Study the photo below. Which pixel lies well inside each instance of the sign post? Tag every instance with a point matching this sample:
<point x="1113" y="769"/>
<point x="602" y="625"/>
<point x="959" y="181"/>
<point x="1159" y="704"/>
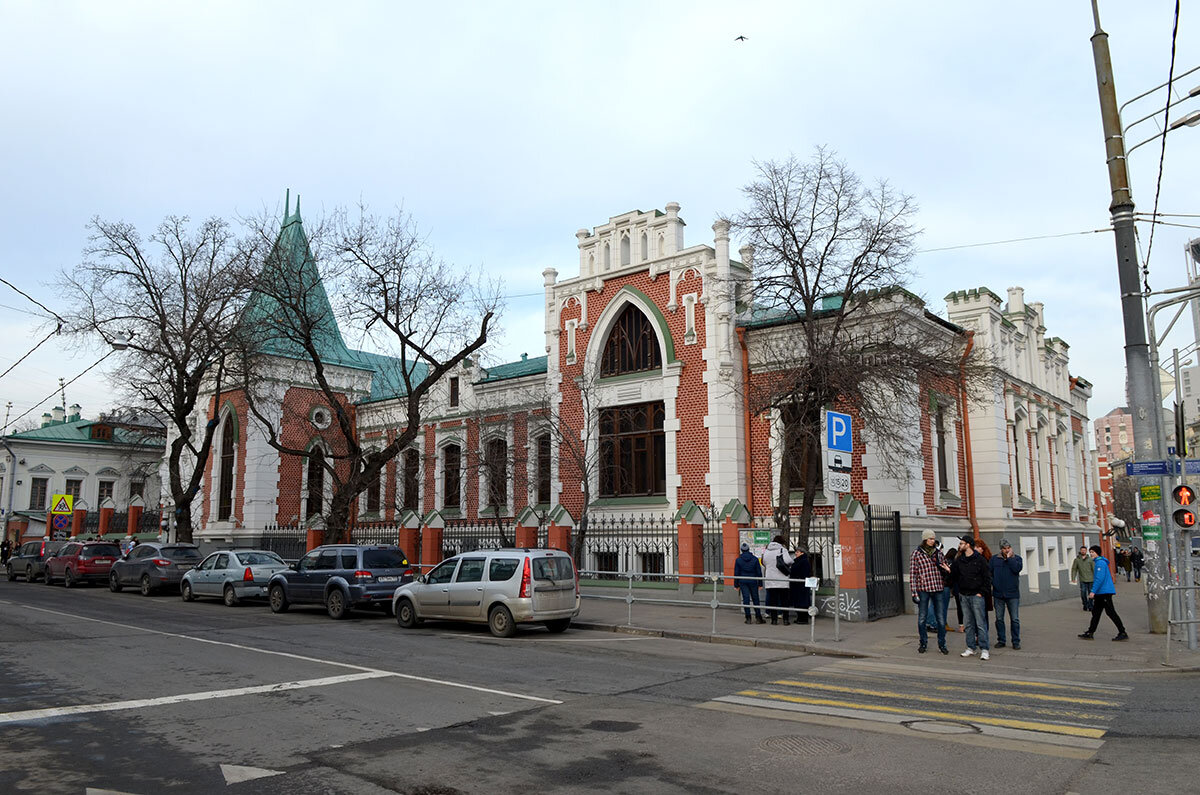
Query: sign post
<point x="837" y="433"/>
<point x="61" y="507"/>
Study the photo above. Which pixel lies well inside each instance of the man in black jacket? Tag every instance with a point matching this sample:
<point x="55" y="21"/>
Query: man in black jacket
<point x="973" y="577"/>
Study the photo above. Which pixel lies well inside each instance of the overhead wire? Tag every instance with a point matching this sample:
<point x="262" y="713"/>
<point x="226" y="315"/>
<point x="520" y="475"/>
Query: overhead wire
<point x="1162" y="152"/>
<point x="57" y="389"/>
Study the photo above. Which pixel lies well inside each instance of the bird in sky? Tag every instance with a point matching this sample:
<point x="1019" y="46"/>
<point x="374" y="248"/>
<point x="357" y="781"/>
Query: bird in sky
<point x="740" y="38"/>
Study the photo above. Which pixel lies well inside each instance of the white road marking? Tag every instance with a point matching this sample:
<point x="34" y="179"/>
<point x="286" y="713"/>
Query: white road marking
<point x="361" y="668"/>
<point x="24" y="716"/>
<point x="94" y="791"/>
<point x="469" y="636"/>
<point x="235" y="774"/>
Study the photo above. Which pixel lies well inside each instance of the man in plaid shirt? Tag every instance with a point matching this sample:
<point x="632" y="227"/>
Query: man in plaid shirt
<point x="925" y="577"/>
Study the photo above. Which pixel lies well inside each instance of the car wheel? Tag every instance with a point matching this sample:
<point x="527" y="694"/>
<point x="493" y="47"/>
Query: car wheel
<point x="29" y="574"/>
<point x="500" y="622"/>
<point x="185" y="591"/>
<point x="12" y="575"/>
<point x="277" y="599"/>
<point x="229" y="596"/>
<point x="558" y="625"/>
<point x="146" y="588"/>
<point x="114" y="582"/>
<point x="406" y="614"/>
<point x="69" y="579"/>
<point x="46" y="578"/>
<point x="335" y="604"/>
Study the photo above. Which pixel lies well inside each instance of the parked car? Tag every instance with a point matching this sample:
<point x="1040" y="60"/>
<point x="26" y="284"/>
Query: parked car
<point x="341" y="577"/>
<point x="152" y="566"/>
<point x="29" y="560"/>
<point x="81" y="561"/>
<point x="233" y="575"/>
<point x="502" y="587"/>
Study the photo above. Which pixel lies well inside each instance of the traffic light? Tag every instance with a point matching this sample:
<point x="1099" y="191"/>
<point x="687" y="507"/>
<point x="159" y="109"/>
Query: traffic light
<point x="1185" y="516"/>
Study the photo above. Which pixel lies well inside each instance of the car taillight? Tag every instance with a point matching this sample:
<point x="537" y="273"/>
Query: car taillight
<point x="162" y="562"/>
<point x="362" y="575"/>
<point x="248" y="576"/>
<point x="525" y="580"/>
<point x="409" y="573"/>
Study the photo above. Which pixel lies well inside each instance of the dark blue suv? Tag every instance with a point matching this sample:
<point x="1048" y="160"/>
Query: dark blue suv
<point x="341" y="577"/>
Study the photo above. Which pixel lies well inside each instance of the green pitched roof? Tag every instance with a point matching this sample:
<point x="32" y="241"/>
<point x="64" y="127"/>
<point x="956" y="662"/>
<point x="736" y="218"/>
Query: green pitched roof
<point x="80" y="432"/>
<point x="387" y="381"/>
<point x="526" y="366"/>
<point x="291" y="267"/>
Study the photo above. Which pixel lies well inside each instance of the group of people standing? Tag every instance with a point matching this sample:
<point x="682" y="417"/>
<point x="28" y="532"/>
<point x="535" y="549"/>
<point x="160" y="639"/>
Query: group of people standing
<point x="782" y="574"/>
<point x="978" y="582"/>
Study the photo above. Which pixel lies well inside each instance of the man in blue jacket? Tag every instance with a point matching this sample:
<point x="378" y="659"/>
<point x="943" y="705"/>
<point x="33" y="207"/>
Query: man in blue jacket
<point x="1006" y="593"/>
<point x="1103" y="590"/>
<point x="747" y="566"/>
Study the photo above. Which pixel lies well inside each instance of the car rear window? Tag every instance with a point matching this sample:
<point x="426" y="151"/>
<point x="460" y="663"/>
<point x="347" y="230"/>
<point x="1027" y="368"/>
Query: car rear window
<point x="100" y="551"/>
<point x="259" y="558"/>
<point x="555" y="568"/>
<point x="384" y="559"/>
<point x="502" y="569"/>
<point x="181" y="553"/>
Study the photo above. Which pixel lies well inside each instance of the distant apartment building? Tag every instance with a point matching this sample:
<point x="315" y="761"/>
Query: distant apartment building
<point x="1114" y="434"/>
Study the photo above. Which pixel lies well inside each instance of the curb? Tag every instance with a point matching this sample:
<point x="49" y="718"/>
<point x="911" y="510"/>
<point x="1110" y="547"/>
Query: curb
<point x="728" y="640"/>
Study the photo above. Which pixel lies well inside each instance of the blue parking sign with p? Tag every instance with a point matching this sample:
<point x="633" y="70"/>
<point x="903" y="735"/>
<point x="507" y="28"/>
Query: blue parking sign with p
<point x="838" y="434"/>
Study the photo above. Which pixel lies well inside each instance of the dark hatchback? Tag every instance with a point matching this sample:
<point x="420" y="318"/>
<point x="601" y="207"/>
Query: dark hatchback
<point x="29" y="559"/>
<point x="341" y="577"/>
<point x="153" y="566"/>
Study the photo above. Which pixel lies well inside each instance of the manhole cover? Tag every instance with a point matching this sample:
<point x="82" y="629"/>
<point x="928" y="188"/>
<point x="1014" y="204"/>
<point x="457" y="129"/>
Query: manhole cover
<point x="803" y="746"/>
<point x="942" y="726"/>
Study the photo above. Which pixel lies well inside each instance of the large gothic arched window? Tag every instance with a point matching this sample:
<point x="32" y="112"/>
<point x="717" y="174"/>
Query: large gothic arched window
<point x="632" y="345"/>
<point x="316" y="483"/>
<point x="225" y="479"/>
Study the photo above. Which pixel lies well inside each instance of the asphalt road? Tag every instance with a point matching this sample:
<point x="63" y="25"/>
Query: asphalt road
<point x="121" y="693"/>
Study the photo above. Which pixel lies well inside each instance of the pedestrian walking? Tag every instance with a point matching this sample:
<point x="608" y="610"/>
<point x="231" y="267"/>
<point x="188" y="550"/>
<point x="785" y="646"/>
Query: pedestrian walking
<point x="950" y="555"/>
<point x="801" y="595"/>
<point x="5" y="551"/>
<point x="1082" y="570"/>
<point x="1138" y="560"/>
<point x="777" y="568"/>
<point x="1103" y="591"/>
<point x="1126" y="564"/>
<point x="1006" y="592"/>
<point x="926" y="584"/>
<point x="747" y="573"/>
<point x="973" y="577"/>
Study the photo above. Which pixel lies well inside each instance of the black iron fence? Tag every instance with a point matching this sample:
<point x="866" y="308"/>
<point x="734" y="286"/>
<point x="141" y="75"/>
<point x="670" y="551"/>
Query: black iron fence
<point x="884" y="563"/>
<point x="467" y="535"/>
<point x="639" y="544"/>
<point x="289" y="542"/>
<point x="713" y="542"/>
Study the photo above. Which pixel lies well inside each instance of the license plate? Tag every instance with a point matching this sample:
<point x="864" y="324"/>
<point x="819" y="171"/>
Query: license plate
<point x="385" y="579"/>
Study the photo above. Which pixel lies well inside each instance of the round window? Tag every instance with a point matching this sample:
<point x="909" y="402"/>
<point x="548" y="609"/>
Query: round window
<point x="319" y="417"/>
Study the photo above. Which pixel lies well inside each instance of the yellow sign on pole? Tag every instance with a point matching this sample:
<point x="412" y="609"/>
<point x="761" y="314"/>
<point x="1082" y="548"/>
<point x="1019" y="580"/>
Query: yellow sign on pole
<point x="61" y="503"/>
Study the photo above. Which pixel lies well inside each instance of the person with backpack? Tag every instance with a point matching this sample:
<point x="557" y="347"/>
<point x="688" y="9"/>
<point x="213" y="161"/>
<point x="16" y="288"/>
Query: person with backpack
<point x="747" y="573"/>
<point x="1103" y="591"/>
<point x="777" y="565"/>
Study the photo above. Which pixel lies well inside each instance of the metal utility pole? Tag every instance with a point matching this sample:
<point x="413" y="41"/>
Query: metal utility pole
<point x="1147" y="417"/>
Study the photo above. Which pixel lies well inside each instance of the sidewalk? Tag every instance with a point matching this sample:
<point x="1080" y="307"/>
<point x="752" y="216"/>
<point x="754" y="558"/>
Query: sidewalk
<point x="1048" y="633"/>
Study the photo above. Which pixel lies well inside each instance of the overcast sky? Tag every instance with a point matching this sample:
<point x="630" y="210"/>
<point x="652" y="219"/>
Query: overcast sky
<point x="504" y="127"/>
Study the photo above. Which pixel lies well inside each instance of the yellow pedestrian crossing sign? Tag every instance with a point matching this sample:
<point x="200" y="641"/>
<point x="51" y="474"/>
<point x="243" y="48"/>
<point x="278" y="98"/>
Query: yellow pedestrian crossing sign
<point x="61" y="503"/>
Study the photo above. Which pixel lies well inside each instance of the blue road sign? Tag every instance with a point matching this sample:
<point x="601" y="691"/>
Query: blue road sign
<point x="838" y="434"/>
<point x="1171" y="467"/>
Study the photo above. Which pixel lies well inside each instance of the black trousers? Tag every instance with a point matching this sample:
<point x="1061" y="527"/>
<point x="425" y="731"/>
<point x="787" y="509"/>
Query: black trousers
<point x="1103" y="603"/>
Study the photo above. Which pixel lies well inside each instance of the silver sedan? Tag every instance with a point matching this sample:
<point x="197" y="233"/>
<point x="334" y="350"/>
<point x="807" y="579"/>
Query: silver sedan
<point x="232" y="575"/>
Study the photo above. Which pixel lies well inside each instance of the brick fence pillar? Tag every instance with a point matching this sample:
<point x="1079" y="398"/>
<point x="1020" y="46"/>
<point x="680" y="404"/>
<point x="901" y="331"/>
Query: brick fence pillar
<point x="526" y="536"/>
<point x="77" y="519"/>
<point x="854" y="562"/>
<point x="409" y="542"/>
<point x="559" y="537"/>
<point x="731" y="545"/>
<point x="431" y="546"/>
<point x="691" y="552"/>
<point x="135" y="515"/>
<point x="106" y="515"/>
<point x="313" y="538"/>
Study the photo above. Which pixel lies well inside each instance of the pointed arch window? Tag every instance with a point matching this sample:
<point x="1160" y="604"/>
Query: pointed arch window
<point x="495" y="454"/>
<point x="225" y="496"/>
<point x="451" y="476"/>
<point x="632" y="345"/>
<point x="625" y="249"/>
<point x="316" y="483"/>
<point x="412" y="465"/>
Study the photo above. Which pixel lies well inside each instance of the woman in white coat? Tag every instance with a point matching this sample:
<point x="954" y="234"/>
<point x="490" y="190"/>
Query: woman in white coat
<point x="777" y="564"/>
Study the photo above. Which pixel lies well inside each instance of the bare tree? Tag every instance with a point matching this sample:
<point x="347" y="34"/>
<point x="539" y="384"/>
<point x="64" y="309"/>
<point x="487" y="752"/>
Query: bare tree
<point x="174" y="297"/>
<point x="393" y="293"/>
<point x="831" y="322"/>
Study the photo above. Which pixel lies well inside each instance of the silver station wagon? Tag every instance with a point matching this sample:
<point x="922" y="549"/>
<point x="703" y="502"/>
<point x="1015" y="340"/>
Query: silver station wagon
<point x="502" y="587"/>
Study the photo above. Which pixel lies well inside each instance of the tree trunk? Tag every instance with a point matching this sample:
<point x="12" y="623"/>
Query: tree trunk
<point x="337" y="521"/>
<point x="183" y="520"/>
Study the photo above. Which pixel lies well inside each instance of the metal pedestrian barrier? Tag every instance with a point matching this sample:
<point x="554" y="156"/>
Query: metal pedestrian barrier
<point x="631" y="597"/>
<point x="1188" y="622"/>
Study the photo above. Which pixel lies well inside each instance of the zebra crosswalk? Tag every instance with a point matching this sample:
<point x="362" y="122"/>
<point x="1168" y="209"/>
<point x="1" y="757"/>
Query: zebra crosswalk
<point x="1045" y="716"/>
